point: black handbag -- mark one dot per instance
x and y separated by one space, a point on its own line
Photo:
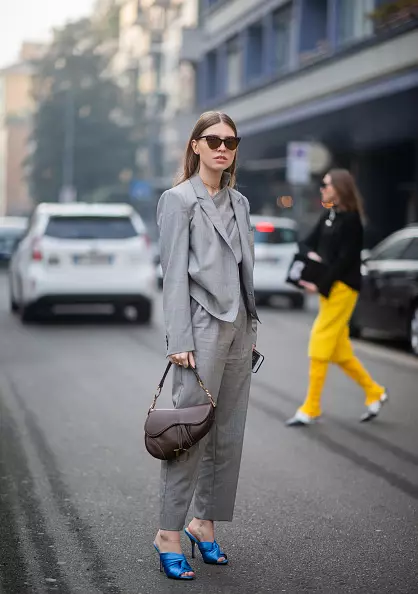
171 432
306 269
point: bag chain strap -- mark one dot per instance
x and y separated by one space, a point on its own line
161 384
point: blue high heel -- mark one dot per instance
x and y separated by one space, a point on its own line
174 565
210 551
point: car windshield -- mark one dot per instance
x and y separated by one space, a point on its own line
90 227
268 233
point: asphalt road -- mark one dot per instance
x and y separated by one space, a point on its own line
330 508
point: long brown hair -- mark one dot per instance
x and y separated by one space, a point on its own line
348 193
191 160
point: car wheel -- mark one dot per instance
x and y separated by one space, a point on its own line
413 332
297 301
27 314
143 313
14 306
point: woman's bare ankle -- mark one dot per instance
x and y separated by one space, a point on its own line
202 529
168 541
169 535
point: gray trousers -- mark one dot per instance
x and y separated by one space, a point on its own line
223 353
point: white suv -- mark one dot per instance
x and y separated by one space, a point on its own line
83 254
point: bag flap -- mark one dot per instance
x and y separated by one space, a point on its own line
159 420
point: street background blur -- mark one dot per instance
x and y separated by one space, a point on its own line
103 111
100 111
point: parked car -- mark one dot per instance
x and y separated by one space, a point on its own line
388 300
157 264
153 233
159 271
83 254
275 243
11 230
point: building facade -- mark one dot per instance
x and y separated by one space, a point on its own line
342 73
179 82
158 81
16 109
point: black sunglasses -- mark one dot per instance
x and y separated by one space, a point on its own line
214 142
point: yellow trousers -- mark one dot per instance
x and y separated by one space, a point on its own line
330 343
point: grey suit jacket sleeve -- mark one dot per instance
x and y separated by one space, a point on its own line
173 222
254 330
254 322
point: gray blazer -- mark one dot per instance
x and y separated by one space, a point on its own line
198 261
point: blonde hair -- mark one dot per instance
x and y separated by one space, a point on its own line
191 160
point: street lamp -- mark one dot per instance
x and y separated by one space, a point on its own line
68 192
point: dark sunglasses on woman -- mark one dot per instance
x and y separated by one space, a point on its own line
214 142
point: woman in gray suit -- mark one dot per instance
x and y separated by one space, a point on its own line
207 256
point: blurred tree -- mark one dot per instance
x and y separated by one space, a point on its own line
80 136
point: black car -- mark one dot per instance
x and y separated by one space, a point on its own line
388 300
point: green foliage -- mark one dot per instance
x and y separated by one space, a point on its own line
71 81
393 13
111 23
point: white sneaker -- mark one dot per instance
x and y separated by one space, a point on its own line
374 409
301 419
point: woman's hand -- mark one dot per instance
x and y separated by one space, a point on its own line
309 287
183 359
314 256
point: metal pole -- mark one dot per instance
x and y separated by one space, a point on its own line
69 133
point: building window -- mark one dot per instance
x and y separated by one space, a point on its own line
212 75
314 43
354 22
255 52
281 38
233 66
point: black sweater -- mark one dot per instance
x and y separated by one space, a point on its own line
339 246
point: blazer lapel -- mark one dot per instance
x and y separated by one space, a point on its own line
209 207
240 216
242 222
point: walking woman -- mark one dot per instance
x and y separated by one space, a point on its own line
207 256
336 240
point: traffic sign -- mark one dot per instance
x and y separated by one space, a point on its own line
298 163
140 190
